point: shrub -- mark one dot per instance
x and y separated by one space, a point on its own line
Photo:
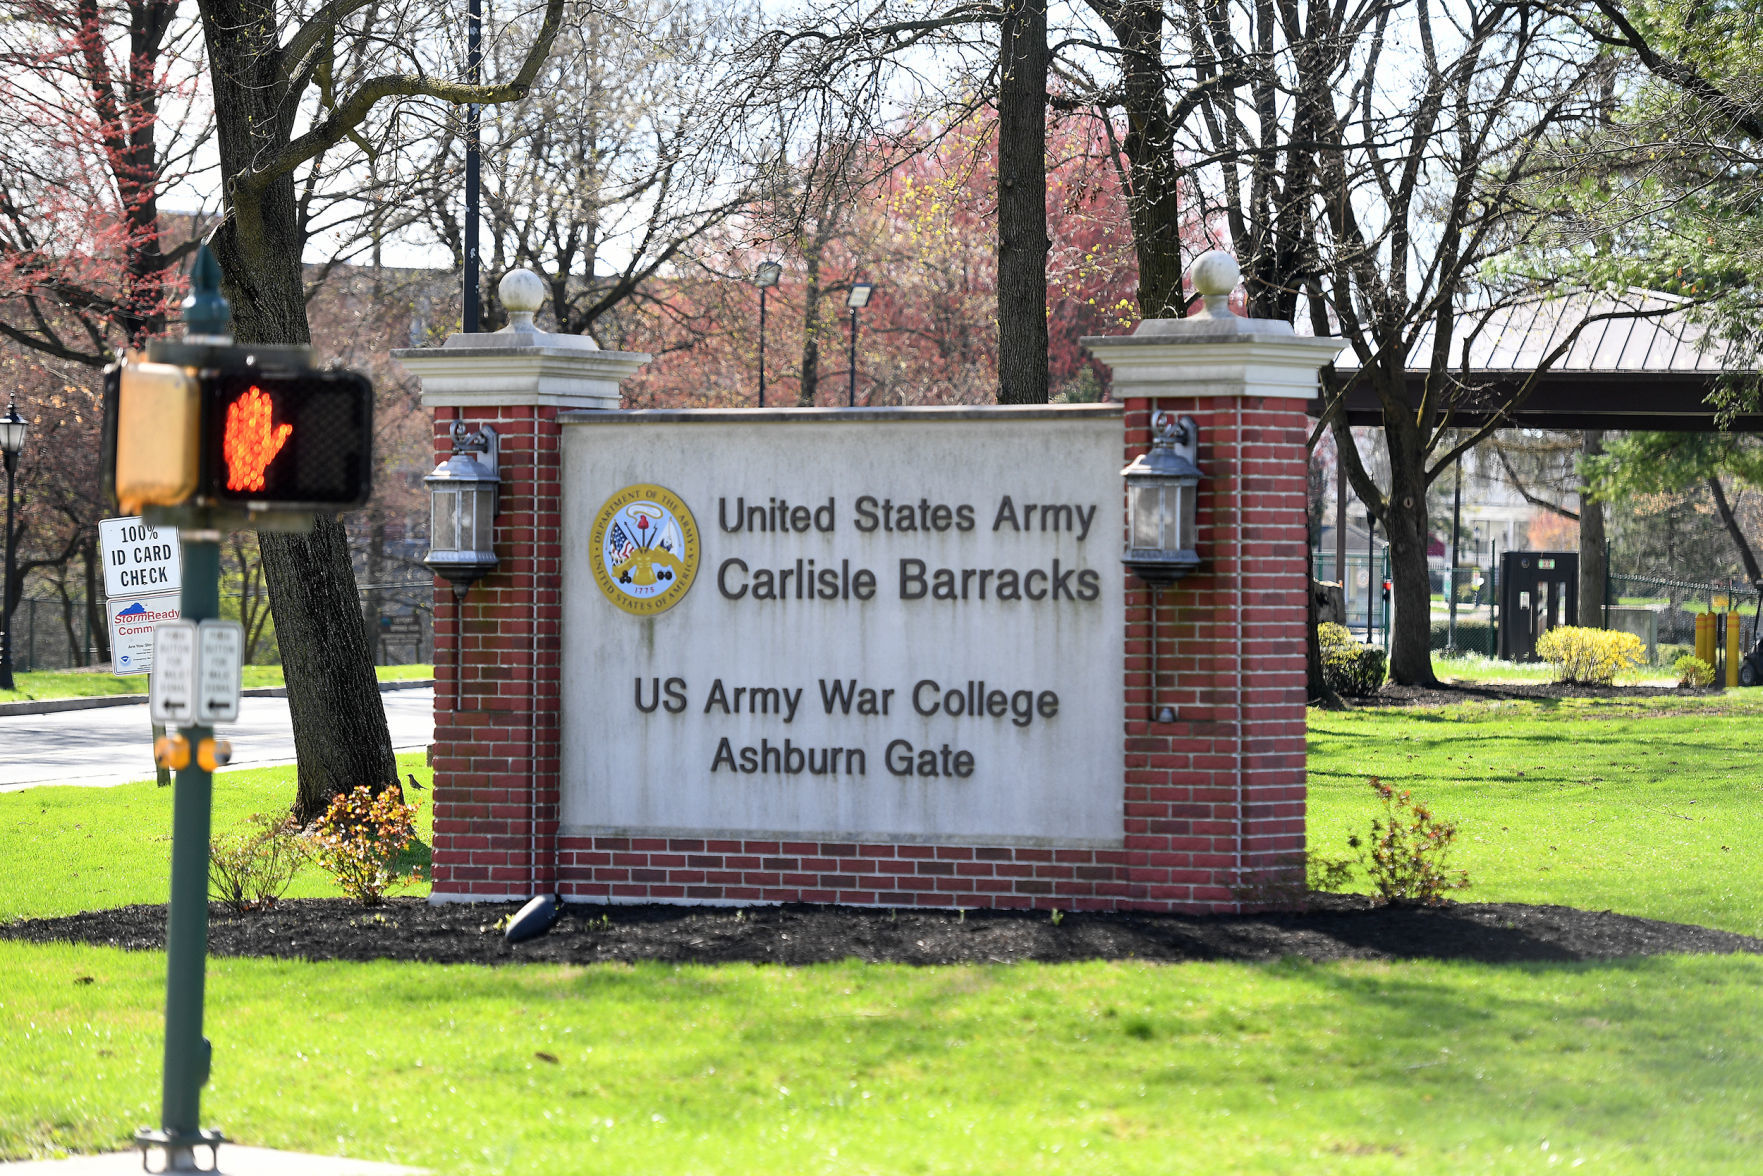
360 837
1693 671
1405 852
1667 655
250 869
1590 656
1347 666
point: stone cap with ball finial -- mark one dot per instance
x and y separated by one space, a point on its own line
1214 352
520 364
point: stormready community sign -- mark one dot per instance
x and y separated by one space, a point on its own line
898 625
132 622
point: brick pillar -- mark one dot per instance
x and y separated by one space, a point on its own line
1215 799
497 671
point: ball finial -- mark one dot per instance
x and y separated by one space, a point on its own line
1216 274
522 293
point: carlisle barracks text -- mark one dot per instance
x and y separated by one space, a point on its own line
913 578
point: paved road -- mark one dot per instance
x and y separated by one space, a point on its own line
113 745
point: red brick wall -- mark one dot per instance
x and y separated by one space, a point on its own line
1223 786
495 749
1214 801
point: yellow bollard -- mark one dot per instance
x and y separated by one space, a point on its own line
1732 648
1702 620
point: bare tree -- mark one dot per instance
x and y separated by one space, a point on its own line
1377 199
287 88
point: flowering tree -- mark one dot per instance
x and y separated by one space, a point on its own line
923 234
86 150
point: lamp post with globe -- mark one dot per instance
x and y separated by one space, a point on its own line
12 432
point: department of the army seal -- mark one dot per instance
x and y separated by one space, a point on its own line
645 545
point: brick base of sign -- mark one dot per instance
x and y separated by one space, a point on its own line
1214 801
655 869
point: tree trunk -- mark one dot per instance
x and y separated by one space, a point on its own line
1592 569
809 386
1316 686
1746 554
1153 205
1411 585
340 735
1022 203
97 624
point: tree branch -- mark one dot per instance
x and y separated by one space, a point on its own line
353 110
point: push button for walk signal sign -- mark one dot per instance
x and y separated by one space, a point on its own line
196 673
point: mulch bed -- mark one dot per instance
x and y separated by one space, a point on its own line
1335 927
1391 694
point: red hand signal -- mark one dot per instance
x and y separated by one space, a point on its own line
251 440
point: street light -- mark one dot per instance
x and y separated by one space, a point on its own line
857 299
765 279
12 430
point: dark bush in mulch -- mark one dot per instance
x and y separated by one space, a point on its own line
1336 927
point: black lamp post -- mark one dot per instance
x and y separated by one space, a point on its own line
766 277
857 299
474 71
12 430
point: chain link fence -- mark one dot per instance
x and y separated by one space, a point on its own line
1675 604
399 617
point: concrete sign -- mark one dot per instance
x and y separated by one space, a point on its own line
900 625
132 622
139 558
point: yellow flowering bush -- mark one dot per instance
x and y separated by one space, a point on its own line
1590 656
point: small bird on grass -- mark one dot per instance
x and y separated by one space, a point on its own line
414 786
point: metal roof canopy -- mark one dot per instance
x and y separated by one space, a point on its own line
1622 373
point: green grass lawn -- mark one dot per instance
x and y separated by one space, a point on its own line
73 849
1643 1066
41 685
1650 807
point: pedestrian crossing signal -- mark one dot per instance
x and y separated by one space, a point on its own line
300 440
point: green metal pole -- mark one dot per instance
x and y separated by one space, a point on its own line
187 1052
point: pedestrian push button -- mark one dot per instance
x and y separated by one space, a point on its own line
212 754
172 752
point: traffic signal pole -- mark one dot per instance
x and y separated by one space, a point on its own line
210 438
187 1052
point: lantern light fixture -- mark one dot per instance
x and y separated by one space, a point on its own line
1162 487
463 501
1161 491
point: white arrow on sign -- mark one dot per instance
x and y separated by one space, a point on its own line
171 691
220 648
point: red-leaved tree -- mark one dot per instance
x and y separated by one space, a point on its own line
923 232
